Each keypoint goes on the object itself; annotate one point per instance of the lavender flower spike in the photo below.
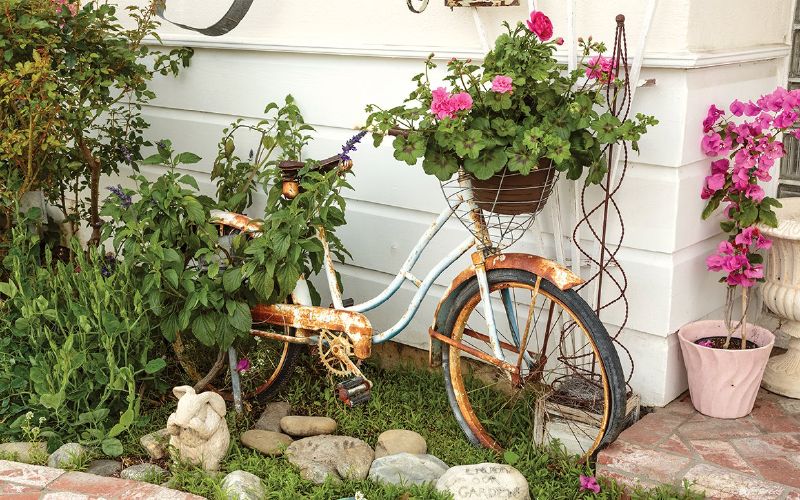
(350, 145)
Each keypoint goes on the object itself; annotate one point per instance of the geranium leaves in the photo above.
(440, 163)
(409, 149)
(469, 144)
(487, 164)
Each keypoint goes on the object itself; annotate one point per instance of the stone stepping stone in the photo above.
(241, 485)
(267, 442)
(406, 469)
(24, 452)
(144, 472)
(156, 444)
(67, 454)
(481, 481)
(396, 441)
(106, 468)
(308, 426)
(270, 419)
(318, 457)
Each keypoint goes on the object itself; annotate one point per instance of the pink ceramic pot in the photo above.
(724, 383)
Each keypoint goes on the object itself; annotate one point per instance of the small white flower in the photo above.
(29, 415)
(360, 496)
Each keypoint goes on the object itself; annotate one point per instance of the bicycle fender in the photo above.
(555, 273)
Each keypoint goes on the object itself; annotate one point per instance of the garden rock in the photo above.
(155, 443)
(105, 468)
(267, 442)
(318, 457)
(24, 452)
(66, 455)
(481, 481)
(400, 441)
(270, 419)
(406, 469)
(241, 485)
(151, 473)
(307, 426)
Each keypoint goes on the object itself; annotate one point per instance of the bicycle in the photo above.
(559, 376)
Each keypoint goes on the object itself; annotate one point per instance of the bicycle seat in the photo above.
(291, 167)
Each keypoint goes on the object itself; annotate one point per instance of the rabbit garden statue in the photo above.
(197, 429)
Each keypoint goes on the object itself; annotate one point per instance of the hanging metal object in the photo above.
(229, 21)
(481, 3)
(417, 10)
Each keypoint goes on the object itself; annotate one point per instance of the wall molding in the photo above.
(678, 60)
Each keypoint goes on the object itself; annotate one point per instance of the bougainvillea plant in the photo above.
(746, 145)
(518, 107)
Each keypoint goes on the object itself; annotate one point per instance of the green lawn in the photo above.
(411, 399)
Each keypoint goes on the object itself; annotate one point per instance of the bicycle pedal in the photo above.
(354, 391)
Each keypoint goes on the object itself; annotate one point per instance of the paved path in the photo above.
(757, 456)
(23, 482)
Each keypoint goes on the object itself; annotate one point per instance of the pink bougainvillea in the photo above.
(748, 143)
(502, 84)
(446, 105)
(589, 483)
(540, 25)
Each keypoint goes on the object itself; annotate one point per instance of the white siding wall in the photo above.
(335, 57)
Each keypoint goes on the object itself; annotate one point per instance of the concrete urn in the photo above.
(781, 294)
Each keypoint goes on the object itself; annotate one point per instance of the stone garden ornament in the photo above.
(198, 430)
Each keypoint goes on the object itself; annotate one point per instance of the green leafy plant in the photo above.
(76, 345)
(87, 77)
(518, 109)
(281, 135)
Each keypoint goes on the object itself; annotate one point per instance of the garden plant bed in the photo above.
(750, 457)
(408, 399)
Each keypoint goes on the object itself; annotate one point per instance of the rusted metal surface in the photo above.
(238, 221)
(513, 370)
(485, 338)
(283, 338)
(355, 325)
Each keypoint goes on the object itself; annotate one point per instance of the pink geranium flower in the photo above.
(589, 483)
(600, 68)
(540, 25)
(502, 84)
(60, 4)
(444, 105)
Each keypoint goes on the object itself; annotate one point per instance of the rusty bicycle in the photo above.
(523, 355)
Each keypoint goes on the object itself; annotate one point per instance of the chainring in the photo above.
(334, 348)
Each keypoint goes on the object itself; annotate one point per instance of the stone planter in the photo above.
(781, 294)
(723, 383)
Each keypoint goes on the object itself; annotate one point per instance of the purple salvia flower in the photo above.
(350, 145)
(124, 199)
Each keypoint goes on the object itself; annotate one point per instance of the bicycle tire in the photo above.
(468, 296)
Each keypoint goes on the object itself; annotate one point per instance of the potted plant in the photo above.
(725, 360)
(513, 120)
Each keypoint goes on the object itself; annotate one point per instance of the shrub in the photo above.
(76, 344)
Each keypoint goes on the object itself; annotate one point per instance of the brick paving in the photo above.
(27, 482)
(757, 456)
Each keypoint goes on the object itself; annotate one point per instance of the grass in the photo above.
(411, 399)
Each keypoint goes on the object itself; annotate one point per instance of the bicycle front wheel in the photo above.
(568, 384)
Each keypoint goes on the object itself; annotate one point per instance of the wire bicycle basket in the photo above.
(499, 210)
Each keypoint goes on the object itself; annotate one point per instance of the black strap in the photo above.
(229, 21)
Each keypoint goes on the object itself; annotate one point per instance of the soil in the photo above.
(719, 342)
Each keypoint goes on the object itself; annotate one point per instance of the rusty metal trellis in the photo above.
(605, 268)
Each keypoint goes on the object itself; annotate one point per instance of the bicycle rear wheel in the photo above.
(271, 361)
(569, 385)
